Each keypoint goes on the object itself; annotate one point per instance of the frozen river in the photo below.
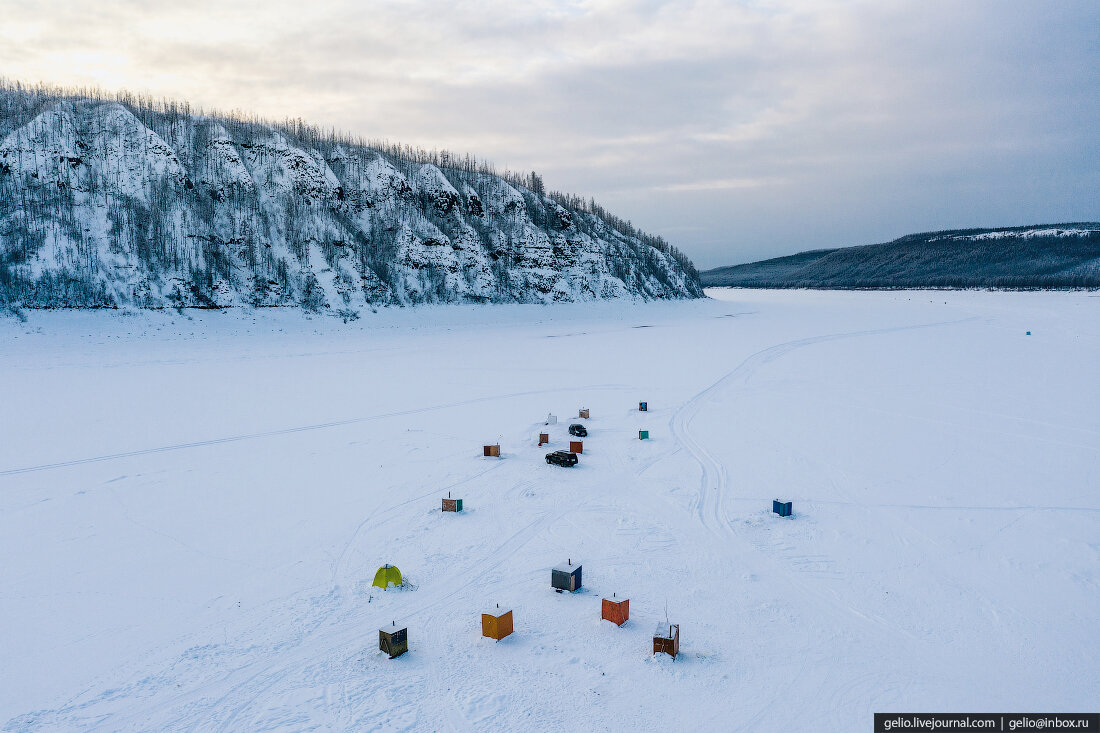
(192, 510)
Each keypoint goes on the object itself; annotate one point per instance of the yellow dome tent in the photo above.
(387, 574)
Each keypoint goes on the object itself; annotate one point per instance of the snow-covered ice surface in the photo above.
(192, 510)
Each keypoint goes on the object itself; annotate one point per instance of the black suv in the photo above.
(579, 430)
(562, 458)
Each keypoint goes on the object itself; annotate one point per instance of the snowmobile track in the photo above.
(714, 481)
(275, 433)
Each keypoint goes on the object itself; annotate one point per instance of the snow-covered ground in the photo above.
(191, 512)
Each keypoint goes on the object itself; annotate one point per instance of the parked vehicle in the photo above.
(579, 430)
(562, 458)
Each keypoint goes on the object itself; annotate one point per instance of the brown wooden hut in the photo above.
(393, 640)
(667, 639)
(616, 611)
(492, 450)
(496, 625)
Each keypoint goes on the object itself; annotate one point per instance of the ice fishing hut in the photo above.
(492, 450)
(615, 611)
(393, 640)
(643, 435)
(551, 419)
(544, 438)
(386, 575)
(496, 625)
(566, 577)
(643, 407)
(576, 446)
(583, 412)
(452, 505)
(667, 639)
(781, 508)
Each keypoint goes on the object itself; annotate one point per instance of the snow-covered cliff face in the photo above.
(101, 208)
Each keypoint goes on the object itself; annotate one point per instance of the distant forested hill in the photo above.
(116, 200)
(1041, 256)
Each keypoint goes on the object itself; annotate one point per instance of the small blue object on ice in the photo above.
(1029, 333)
(783, 509)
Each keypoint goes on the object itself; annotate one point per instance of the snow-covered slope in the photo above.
(105, 204)
(1041, 256)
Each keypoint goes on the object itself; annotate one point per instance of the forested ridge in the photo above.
(111, 200)
(1042, 256)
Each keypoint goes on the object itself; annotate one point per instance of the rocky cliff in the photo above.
(113, 202)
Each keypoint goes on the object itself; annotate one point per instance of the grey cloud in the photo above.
(739, 130)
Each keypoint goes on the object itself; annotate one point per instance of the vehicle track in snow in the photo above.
(338, 565)
(233, 696)
(714, 482)
(223, 702)
(289, 431)
(321, 641)
(243, 695)
(713, 493)
(226, 700)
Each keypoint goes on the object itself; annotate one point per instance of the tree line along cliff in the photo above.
(109, 201)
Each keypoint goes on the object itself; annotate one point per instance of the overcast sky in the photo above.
(738, 130)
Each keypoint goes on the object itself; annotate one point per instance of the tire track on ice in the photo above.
(714, 481)
(338, 565)
(451, 713)
(287, 431)
(219, 703)
(272, 674)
